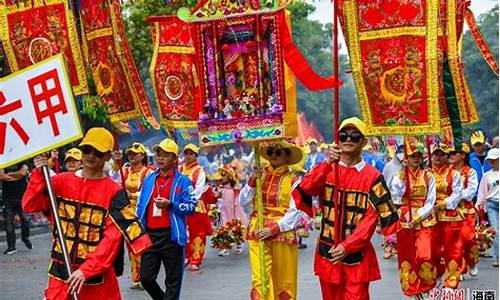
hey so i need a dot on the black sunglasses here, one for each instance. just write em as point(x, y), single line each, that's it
point(91, 150)
point(277, 152)
point(355, 136)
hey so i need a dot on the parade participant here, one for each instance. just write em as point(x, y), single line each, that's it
point(280, 219)
point(73, 160)
point(198, 224)
point(477, 159)
point(487, 198)
point(14, 183)
point(460, 160)
point(134, 174)
point(230, 209)
point(346, 266)
point(166, 198)
point(313, 157)
point(447, 233)
point(95, 215)
point(415, 188)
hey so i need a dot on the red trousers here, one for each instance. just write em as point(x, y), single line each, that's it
point(199, 227)
point(471, 251)
point(417, 272)
point(448, 240)
point(345, 291)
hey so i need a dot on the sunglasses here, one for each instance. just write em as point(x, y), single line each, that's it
point(91, 150)
point(276, 152)
point(355, 136)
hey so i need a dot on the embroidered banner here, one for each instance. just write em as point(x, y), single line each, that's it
point(32, 31)
point(113, 69)
point(406, 63)
point(174, 72)
point(393, 51)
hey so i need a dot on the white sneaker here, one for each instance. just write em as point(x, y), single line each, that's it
point(473, 271)
point(223, 252)
point(425, 296)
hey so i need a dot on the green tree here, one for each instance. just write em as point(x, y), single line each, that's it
point(483, 83)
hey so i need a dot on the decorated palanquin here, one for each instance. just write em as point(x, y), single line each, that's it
point(228, 76)
point(111, 63)
point(406, 64)
point(32, 31)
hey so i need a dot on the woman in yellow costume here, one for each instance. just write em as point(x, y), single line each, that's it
point(281, 217)
point(133, 175)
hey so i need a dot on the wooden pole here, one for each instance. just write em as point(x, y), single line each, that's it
point(260, 223)
point(337, 234)
point(57, 224)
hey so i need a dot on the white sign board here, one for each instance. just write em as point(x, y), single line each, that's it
point(37, 111)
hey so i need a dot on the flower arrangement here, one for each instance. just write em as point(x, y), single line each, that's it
point(222, 238)
point(231, 233)
point(484, 235)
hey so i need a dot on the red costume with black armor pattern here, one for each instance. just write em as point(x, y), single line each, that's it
point(365, 199)
point(95, 215)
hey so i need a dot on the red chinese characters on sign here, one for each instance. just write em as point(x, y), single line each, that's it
point(47, 97)
point(5, 109)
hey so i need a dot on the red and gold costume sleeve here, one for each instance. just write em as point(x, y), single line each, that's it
point(381, 202)
point(36, 198)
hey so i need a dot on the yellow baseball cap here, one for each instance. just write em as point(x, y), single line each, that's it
point(99, 138)
point(477, 137)
point(137, 148)
point(73, 153)
point(441, 146)
point(312, 140)
point(354, 122)
point(167, 145)
point(191, 147)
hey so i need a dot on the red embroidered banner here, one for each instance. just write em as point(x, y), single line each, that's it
point(113, 69)
point(397, 51)
point(32, 31)
point(174, 72)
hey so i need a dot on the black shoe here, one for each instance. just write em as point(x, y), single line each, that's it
point(28, 244)
point(302, 246)
point(10, 251)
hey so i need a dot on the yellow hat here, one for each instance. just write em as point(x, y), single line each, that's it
point(167, 145)
point(312, 140)
point(226, 171)
point(477, 137)
point(191, 147)
point(441, 146)
point(73, 153)
point(99, 138)
point(295, 152)
point(411, 146)
point(354, 122)
point(137, 148)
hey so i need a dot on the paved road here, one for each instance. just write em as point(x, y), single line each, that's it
point(23, 277)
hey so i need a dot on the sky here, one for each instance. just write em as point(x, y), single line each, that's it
point(324, 13)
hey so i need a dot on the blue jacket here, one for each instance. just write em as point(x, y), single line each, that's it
point(480, 169)
point(183, 203)
point(310, 163)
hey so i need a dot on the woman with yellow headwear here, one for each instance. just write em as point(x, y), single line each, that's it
point(281, 217)
point(134, 175)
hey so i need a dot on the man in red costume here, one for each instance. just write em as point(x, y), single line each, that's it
point(95, 215)
point(199, 225)
point(345, 259)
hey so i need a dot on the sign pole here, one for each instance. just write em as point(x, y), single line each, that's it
point(57, 223)
point(260, 224)
point(337, 233)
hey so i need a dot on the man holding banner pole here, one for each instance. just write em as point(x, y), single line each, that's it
point(94, 214)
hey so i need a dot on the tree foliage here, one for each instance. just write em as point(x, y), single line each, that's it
point(483, 83)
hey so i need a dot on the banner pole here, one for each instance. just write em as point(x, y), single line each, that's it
point(57, 223)
point(260, 225)
point(337, 233)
